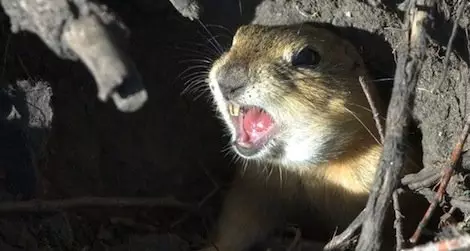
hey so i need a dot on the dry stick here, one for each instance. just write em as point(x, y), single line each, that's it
point(295, 243)
point(398, 222)
point(114, 72)
point(449, 170)
point(82, 30)
point(83, 202)
point(461, 202)
point(345, 238)
point(373, 107)
point(393, 157)
point(396, 204)
point(460, 11)
point(428, 176)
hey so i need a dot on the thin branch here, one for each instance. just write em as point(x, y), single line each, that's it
point(396, 204)
point(393, 156)
point(428, 176)
point(90, 202)
point(373, 107)
point(345, 239)
point(460, 11)
point(460, 202)
point(294, 245)
point(398, 221)
point(449, 170)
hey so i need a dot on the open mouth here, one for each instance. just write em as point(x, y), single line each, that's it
point(254, 128)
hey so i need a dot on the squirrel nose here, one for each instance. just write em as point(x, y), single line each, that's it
point(230, 90)
point(232, 80)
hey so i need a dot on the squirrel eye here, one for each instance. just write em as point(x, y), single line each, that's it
point(306, 57)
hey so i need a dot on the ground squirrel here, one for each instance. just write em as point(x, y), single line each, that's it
point(301, 126)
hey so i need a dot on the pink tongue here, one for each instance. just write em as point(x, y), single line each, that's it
point(254, 125)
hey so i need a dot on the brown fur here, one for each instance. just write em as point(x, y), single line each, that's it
point(329, 191)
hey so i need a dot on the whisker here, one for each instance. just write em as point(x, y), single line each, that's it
point(230, 33)
point(200, 90)
point(211, 45)
point(180, 75)
point(362, 123)
point(192, 68)
point(244, 166)
point(271, 170)
point(205, 46)
point(381, 80)
point(197, 60)
point(197, 78)
point(202, 74)
point(368, 109)
point(199, 53)
point(280, 176)
point(215, 43)
point(194, 87)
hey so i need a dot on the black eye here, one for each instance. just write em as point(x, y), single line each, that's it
point(307, 57)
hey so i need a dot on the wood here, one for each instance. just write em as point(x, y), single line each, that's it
point(409, 65)
point(84, 36)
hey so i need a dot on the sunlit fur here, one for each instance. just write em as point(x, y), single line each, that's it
point(329, 138)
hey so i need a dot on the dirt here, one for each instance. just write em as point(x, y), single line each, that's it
point(75, 145)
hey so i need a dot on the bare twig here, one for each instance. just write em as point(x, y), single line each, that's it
point(345, 239)
point(460, 11)
point(90, 202)
point(398, 221)
point(460, 202)
point(378, 124)
point(393, 157)
point(449, 170)
point(424, 178)
point(373, 107)
point(297, 239)
point(447, 218)
point(199, 205)
point(203, 201)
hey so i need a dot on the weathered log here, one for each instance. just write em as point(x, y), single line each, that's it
point(91, 34)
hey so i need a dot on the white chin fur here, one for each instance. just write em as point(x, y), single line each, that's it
point(302, 148)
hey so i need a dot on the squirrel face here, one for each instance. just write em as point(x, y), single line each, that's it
point(290, 94)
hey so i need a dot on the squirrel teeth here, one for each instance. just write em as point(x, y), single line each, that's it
point(234, 109)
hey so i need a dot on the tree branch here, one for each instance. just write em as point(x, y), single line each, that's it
point(74, 203)
point(448, 171)
point(80, 29)
point(393, 157)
